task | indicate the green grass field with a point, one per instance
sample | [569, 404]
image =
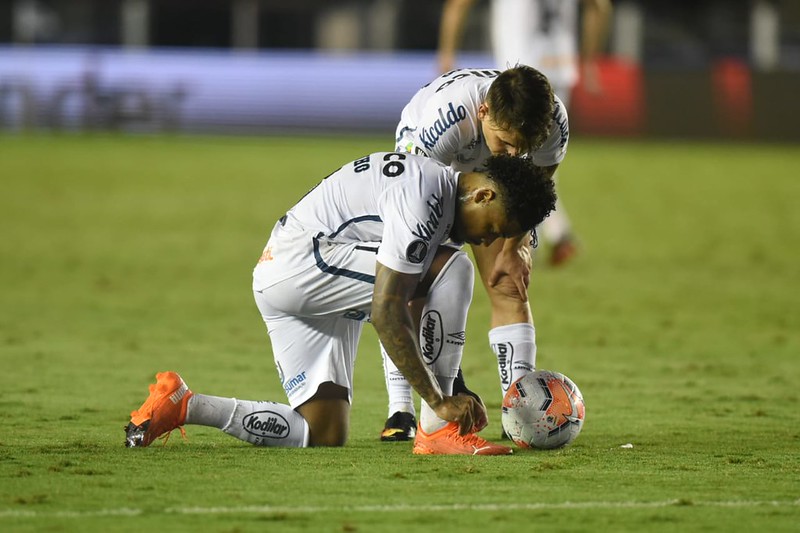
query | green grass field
[679, 321]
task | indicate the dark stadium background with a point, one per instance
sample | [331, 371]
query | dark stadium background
[685, 69]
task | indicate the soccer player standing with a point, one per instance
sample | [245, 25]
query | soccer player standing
[560, 38]
[461, 119]
[544, 35]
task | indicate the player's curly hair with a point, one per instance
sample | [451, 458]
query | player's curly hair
[520, 99]
[528, 193]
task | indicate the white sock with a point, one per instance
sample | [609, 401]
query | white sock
[259, 423]
[515, 348]
[442, 329]
[211, 411]
[428, 420]
[398, 388]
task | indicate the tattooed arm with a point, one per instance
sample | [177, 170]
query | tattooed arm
[396, 329]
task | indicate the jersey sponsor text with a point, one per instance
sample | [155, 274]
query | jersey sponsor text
[426, 230]
[446, 120]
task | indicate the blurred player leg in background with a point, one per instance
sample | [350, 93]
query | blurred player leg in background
[547, 34]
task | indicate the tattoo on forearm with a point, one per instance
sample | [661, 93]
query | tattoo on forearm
[395, 327]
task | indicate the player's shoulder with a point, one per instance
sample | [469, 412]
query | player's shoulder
[428, 170]
[408, 157]
[464, 81]
[396, 162]
[422, 164]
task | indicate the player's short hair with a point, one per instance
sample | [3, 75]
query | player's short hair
[527, 190]
[521, 100]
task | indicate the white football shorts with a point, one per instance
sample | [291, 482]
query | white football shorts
[314, 297]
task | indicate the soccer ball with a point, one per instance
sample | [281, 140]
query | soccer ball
[543, 409]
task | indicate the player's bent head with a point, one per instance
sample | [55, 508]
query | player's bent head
[521, 100]
[527, 191]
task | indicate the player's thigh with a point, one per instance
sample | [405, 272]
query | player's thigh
[310, 351]
[485, 258]
[504, 295]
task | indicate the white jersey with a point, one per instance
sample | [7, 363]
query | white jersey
[539, 33]
[441, 122]
[401, 204]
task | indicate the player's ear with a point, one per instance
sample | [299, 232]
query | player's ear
[484, 195]
[483, 111]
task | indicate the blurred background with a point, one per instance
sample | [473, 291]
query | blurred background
[680, 69]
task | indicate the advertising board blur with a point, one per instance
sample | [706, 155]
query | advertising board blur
[206, 91]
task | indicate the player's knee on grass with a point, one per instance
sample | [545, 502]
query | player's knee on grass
[327, 414]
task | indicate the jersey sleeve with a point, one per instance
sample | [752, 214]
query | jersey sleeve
[554, 149]
[414, 222]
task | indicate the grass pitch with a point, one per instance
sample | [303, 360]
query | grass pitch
[679, 321]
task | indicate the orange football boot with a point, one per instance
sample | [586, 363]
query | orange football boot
[163, 411]
[447, 441]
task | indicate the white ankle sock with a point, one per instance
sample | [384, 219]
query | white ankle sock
[428, 420]
[211, 411]
[515, 348]
[259, 423]
[398, 388]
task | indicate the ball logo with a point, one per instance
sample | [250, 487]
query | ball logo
[562, 406]
[416, 251]
[432, 334]
[266, 424]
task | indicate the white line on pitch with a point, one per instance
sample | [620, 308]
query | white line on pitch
[267, 509]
